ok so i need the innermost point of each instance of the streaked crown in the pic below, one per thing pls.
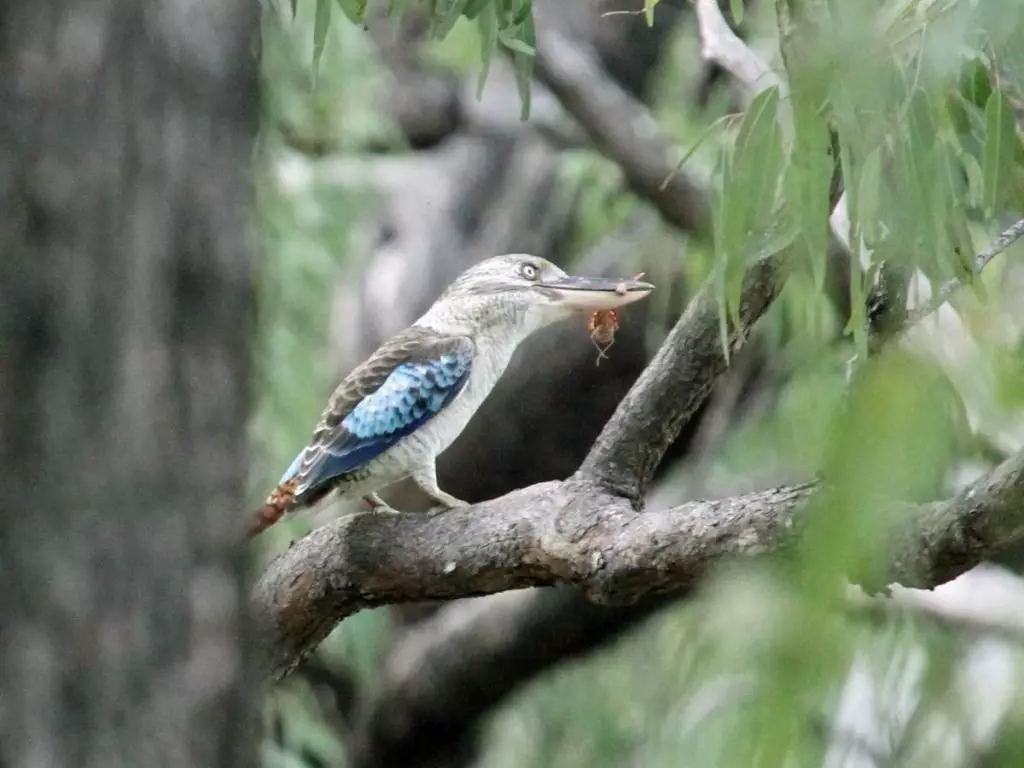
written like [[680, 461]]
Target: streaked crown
[[518, 273]]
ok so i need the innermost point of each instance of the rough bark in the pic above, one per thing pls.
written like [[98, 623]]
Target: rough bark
[[572, 532], [125, 141]]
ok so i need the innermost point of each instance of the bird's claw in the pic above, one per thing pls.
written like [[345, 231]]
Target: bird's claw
[[378, 505]]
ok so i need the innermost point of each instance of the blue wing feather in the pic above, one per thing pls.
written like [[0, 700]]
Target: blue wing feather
[[411, 395]]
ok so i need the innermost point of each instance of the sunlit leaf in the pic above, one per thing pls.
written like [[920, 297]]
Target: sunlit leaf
[[736, 9], [354, 10], [523, 57], [515, 44], [446, 14], [809, 174], [892, 445], [974, 84], [869, 198], [473, 8], [758, 156], [649, 6], [701, 138], [997, 158], [321, 23], [487, 22]]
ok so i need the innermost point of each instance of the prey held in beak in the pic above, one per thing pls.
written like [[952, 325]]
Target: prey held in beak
[[595, 294]]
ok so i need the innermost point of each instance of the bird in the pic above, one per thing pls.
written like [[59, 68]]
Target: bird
[[393, 414]]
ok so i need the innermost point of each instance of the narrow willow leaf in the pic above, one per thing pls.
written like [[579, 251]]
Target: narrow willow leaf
[[487, 22], [869, 198], [446, 14], [974, 85], [524, 60], [649, 6], [808, 177], [515, 44], [354, 10], [997, 158], [722, 235], [860, 285], [321, 23], [474, 7], [295, 8], [759, 162], [525, 12], [846, 165], [697, 144], [736, 9]]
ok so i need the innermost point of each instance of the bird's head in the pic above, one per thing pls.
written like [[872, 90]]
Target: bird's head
[[536, 289]]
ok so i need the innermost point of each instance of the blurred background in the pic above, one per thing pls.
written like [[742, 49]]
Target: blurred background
[[383, 172]]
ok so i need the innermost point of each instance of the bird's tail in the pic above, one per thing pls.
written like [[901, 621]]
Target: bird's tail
[[273, 509]]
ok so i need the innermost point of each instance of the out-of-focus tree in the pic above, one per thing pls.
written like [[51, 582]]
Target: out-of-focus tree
[[127, 307]]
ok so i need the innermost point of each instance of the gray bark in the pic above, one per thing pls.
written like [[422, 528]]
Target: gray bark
[[126, 135]]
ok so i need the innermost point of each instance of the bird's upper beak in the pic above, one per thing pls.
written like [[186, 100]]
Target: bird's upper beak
[[589, 294]]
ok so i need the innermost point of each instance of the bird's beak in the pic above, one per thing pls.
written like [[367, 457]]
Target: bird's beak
[[589, 294]]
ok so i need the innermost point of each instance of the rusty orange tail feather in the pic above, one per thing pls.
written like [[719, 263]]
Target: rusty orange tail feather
[[273, 509]]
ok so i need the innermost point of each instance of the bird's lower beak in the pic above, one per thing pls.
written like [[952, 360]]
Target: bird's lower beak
[[589, 294]]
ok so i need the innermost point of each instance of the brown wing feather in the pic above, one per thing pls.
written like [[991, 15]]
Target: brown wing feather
[[414, 344]]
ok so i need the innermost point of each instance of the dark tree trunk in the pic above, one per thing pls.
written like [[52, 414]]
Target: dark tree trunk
[[126, 136]]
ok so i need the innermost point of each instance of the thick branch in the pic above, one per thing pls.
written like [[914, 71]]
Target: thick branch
[[574, 532], [449, 670]]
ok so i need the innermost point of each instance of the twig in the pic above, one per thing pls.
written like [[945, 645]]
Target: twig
[[721, 45], [933, 608], [947, 290]]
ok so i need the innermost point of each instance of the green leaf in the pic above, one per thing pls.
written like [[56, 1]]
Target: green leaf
[[525, 12], [295, 8], [354, 10], [487, 22], [696, 145], [446, 14], [974, 85], [515, 44], [759, 160], [474, 7], [321, 23], [869, 198], [997, 158], [649, 6], [524, 61], [736, 9]]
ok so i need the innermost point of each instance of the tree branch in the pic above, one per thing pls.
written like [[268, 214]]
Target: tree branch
[[676, 383], [621, 128], [573, 532], [449, 670]]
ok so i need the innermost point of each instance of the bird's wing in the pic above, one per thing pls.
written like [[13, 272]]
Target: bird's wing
[[397, 390]]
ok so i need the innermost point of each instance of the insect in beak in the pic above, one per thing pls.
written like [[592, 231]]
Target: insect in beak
[[602, 325]]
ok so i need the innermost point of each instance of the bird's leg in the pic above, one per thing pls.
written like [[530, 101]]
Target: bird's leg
[[377, 504], [426, 479]]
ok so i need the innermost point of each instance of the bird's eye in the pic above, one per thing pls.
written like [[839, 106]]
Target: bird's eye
[[528, 270]]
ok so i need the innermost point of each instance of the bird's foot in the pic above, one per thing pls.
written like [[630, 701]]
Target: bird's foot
[[446, 504], [378, 505]]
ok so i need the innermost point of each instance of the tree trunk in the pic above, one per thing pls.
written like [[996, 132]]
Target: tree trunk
[[126, 136]]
